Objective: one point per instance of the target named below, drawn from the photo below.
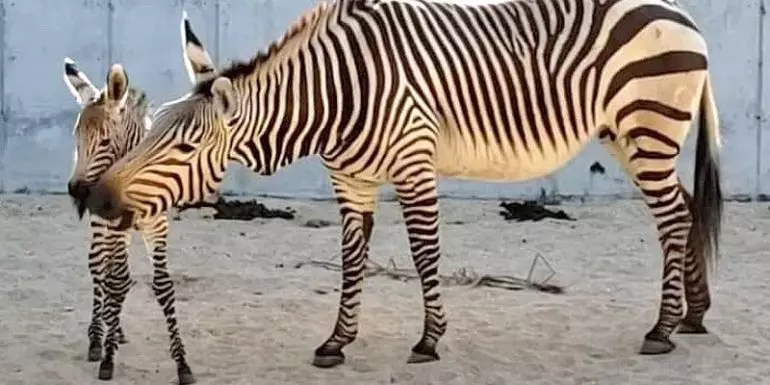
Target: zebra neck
(287, 121)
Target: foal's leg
(117, 283)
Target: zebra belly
(463, 160)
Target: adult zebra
(111, 122)
(403, 91)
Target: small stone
(317, 223)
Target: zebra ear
(117, 85)
(77, 82)
(197, 61)
(225, 99)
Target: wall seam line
(4, 134)
(760, 98)
(110, 11)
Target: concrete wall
(38, 111)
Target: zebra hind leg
(418, 196)
(116, 285)
(696, 287)
(122, 339)
(654, 174)
(356, 208)
(96, 329)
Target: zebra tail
(707, 199)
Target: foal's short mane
(137, 99)
(238, 68)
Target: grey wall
(38, 111)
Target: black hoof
(328, 357)
(94, 351)
(654, 343)
(692, 328)
(423, 352)
(185, 375)
(105, 370)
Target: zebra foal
(112, 121)
(402, 91)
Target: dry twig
(461, 277)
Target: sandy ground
(247, 320)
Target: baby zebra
(111, 122)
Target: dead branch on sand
(461, 277)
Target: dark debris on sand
(530, 211)
(241, 210)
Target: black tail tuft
(707, 203)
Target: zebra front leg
(696, 289)
(418, 197)
(96, 260)
(356, 207)
(117, 283)
(163, 287)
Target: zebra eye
(104, 142)
(185, 148)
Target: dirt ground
(248, 316)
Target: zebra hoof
(328, 361)
(185, 375)
(422, 353)
(656, 344)
(419, 358)
(94, 351)
(328, 357)
(692, 328)
(105, 370)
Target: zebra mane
(238, 68)
(137, 100)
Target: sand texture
(248, 316)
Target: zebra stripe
(402, 91)
(110, 123)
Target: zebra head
(183, 159)
(102, 126)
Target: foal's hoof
(328, 357)
(421, 353)
(654, 344)
(94, 351)
(105, 370)
(694, 328)
(185, 375)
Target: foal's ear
(117, 85)
(225, 100)
(196, 59)
(77, 82)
